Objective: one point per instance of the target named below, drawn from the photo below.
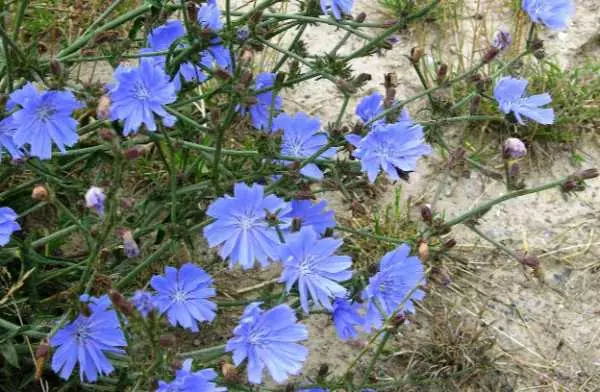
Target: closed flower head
(183, 294)
(94, 198)
(509, 92)
(312, 263)
(554, 14)
(302, 138)
(86, 340)
(140, 93)
(45, 118)
(269, 339)
(241, 228)
(267, 103)
(8, 224)
(394, 287)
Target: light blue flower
(302, 138)
(7, 132)
(209, 16)
(86, 340)
(94, 198)
(555, 14)
(267, 103)
(184, 295)
(143, 302)
(140, 93)
(371, 106)
(188, 381)
(399, 274)
(337, 7)
(346, 318)
(314, 215)
(45, 118)
(509, 94)
(312, 263)
(269, 339)
(241, 228)
(8, 224)
(390, 147)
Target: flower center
(246, 222)
(141, 92)
(82, 333)
(307, 265)
(180, 296)
(44, 112)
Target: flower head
(138, 94)
(7, 132)
(209, 16)
(267, 103)
(337, 7)
(302, 138)
(129, 245)
(241, 227)
(269, 338)
(399, 275)
(346, 318)
(188, 381)
(502, 40)
(371, 106)
(555, 14)
(513, 148)
(86, 340)
(45, 118)
(509, 94)
(183, 294)
(311, 262)
(8, 224)
(94, 198)
(314, 215)
(163, 36)
(143, 302)
(390, 147)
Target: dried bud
(222, 74)
(442, 72)
(280, 78)
(426, 213)
(322, 373)
(129, 245)
(570, 185)
(513, 148)
(192, 10)
(399, 319)
(255, 18)
(424, 251)
(230, 373)
(42, 350)
(361, 17)
(40, 192)
(106, 134)
(127, 203)
(246, 56)
(176, 365)
(120, 303)
(451, 243)
(167, 340)
(537, 44)
(588, 174)
(415, 54)
(502, 40)
(530, 261)
(103, 108)
(389, 23)
(57, 68)
(490, 55)
(362, 79)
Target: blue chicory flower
(94, 198)
(390, 147)
(502, 40)
(7, 132)
(86, 340)
(8, 224)
(399, 274)
(143, 302)
(45, 117)
(509, 93)
(269, 338)
(302, 138)
(209, 16)
(555, 14)
(311, 262)
(140, 93)
(314, 215)
(267, 103)
(183, 294)
(241, 227)
(188, 381)
(346, 318)
(337, 7)
(371, 106)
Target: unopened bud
(42, 350)
(415, 54)
(134, 152)
(588, 174)
(322, 373)
(192, 10)
(451, 243)
(362, 78)
(247, 56)
(120, 303)
(530, 261)
(424, 251)
(222, 74)
(442, 72)
(280, 78)
(502, 40)
(167, 340)
(426, 213)
(230, 373)
(490, 55)
(513, 148)
(56, 68)
(475, 104)
(103, 108)
(40, 192)
(129, 245)
(361, 17)
(106, 134)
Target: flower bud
(322, 373)
(106, 134)
(192, 10)
(57, 68)
(222, 74)
(475, 104)
(415, 54)
(361, 17)
(451, 243)
(40, 192)
(513, 148)
(230, 373)
(134, 153)
(167, 340)
(442, 72)
(426, 213)
(246, 56)
(94, 198)
(502, 40)
(103, 108)
(530, 261)
(120, 303)
(588, 174)
(42, 350)
(490, 55)
(129, 245)
(424, 251)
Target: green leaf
(10, 354)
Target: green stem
(367, 234)
(378, 351)
(494, 242)
(143, 265)
(284, 57)
(204, 354)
